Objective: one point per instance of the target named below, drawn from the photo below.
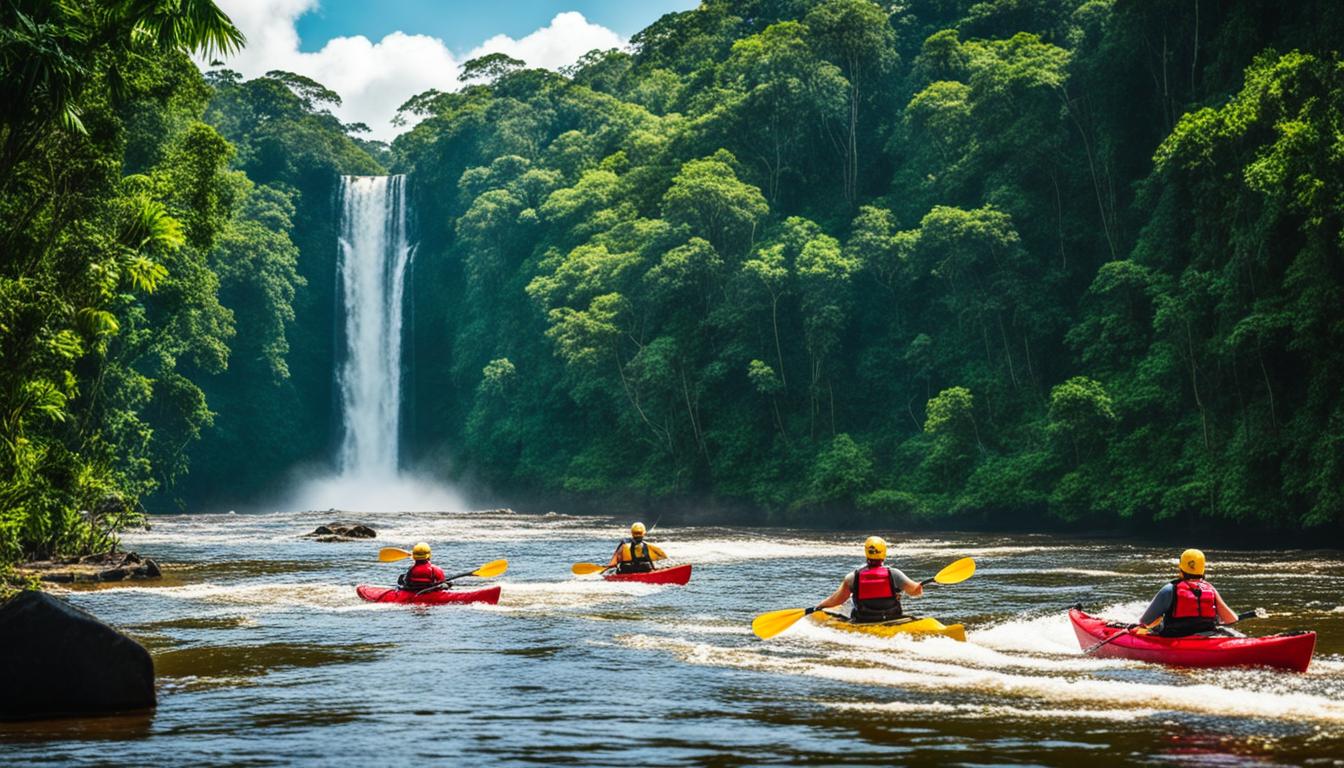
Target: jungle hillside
(1036, 264)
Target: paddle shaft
(1251, 614)
(460, 575)
(447, 580)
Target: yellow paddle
(955, 573)
(767, 625)
(392, 554)
(487, 571)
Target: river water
(265, 656)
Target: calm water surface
(265, 655)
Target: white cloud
(374, 79)
(562, 42)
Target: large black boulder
(58, 661)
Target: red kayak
(437, 597)
(1291, 650)
(677, 574)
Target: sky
(376, 54)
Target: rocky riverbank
(112, 566)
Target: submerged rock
(342, 532)
(59, 661)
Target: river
(265, 656)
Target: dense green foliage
(274, 404)
(994, 261)
(112, 196)
(1023, 262)
(137, 266)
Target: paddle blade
(492, 568)
(957, 572)
(767, 625)
(392, 554)
(583, 569)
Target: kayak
(436, 597)
(677, 574)
(908, 625)
(1290, 650)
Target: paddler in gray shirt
(1187, 605)
(876, 588)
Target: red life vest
(1194, 608)
(875, 595)
(1194, 598)
(423, 574)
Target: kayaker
(635, 555)
(876, 589)
(1187, 605)
(422, 573)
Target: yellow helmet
(420, 551)
(637, 529)
(875, 548)
(1192, 562)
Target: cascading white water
(375, 253)
(372, 267)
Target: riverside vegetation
(1038, 262)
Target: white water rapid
(375, 253)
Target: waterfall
(372, 265)
(374, 253)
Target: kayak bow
(909, 625)
(433, 597)
(677, 574)
(1290, 650)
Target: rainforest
(1030, 264)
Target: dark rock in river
(58, 661)
(342, 532)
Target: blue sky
(464, 25)
(378, 53)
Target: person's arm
(908, 585)
(656, 553)
(1158, 607)
(615, 556)
(837, 597)
(1225, 614)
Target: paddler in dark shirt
(635, 555)
(875, 588)
(1187, 605)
